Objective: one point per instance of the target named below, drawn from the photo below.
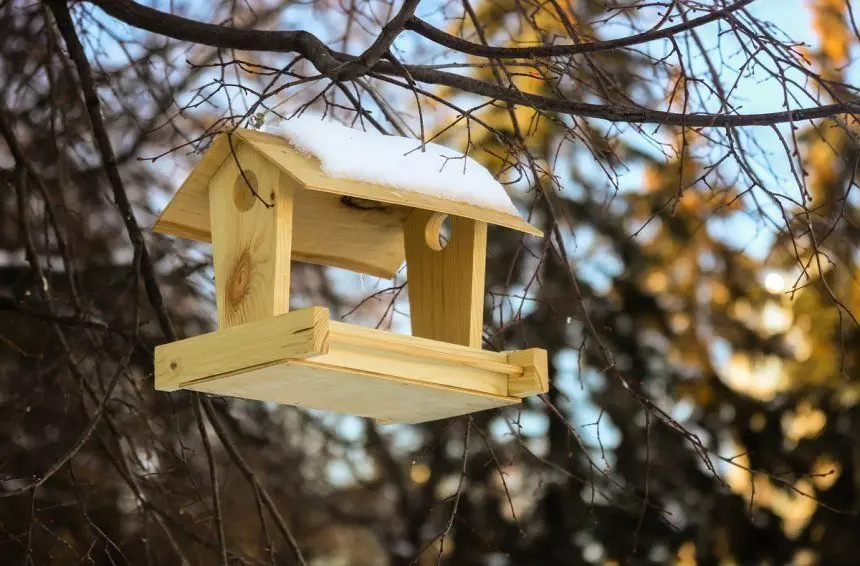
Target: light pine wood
(408, 357)
(326, 231)
(307, 171)
(262, 351)
(251, 238)
(301, 358)
(339, 345)
(371, 394)
(299, 334)
(187, 214)
(344, 333)
(446, 287)
(534, 378)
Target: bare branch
(331, 63)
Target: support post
(251, 237)
(446, 286)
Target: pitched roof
(396, 162)
(187, 214)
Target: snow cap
(397, 162)
(352, 191)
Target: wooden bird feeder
(264, 351)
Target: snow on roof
(397, 162)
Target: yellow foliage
(419, 473)
(828, 20)
(698, 391)
(795, 505)
(686, 555)
(825, 472)
(805, 422)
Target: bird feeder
(262, 202)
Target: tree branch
(63, 18)
(331, 63)
(383, 42)
(436, 35)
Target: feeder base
(302, 358)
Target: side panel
(251, 216)
(299, 334)
(446, 287)
(362, 393)
(301, 358)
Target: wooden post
(446, 286)
(251, 237)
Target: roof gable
(187, 214)
(397, 162)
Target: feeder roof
(331, 162)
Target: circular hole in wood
(437, 233)
(243, 196)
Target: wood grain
(187, 213)
(344, 333)
(446, 287)
(307, 171)
(362, 393)
(328, 232)
(534, 378)
(301, 358)
(377, 250)
(299, 334)
(251, 238)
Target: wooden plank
(252, 220)
(189, 208)
(327, 231)
(345, 346)
(301, 358)
(189, 232)
(298, 334)
(417, 359)
(307, 170)
(362, 393)
(419, 369)
(351, 334)
(534, 378)
(446, 287)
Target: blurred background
(698, 295)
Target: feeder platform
(303, 358)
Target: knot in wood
(240, 280)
